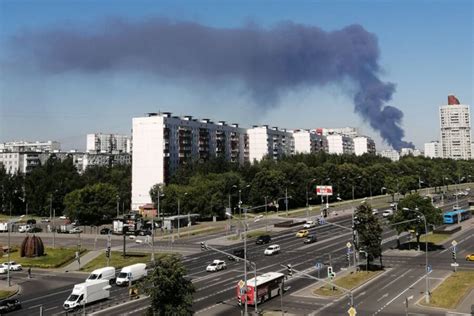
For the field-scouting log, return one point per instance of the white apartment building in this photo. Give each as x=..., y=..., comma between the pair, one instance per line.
x=406, y=151
x=38, y=146
x=161, y=143
x=268, y=142
x=455, y=129
x=19, y=162
x=363, y=145
x=340, y=144
x=306, y=142
x=432, y=149
x=390, y=154
x=108, y=143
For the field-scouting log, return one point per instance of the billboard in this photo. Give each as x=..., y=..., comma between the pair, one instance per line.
x=324, y=190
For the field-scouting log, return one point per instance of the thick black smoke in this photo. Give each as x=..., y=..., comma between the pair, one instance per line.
x=267, y=61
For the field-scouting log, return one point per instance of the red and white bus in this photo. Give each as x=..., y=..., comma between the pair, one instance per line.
x=268, y=285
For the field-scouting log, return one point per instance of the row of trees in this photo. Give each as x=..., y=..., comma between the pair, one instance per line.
x=58, y=186
x=208, y=188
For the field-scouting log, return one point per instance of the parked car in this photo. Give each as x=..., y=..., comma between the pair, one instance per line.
x=13, y=266
x=310, y=239
x=105, y=231
x=263, y=239
x=309, y=224
x=387, y=213
x=239, y=253
x=216, y=265
x=470, y=257
x=75, y=230
x=3, y=270
x=31, y=221
x=25, y=228
x=45, y=220
x=302, y=233
x=143, y=232
x=35, y=230
x=63, y=217
x=375, y=211
x=9, y=305
x=272, y=250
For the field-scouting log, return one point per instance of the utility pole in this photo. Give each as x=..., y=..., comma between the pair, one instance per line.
x=286, y=200
x=266, y=216
x=118, y=205
x=9, y=245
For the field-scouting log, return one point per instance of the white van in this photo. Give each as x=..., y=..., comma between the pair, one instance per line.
x=131, y=273
x=86, y=293
x=107, y=273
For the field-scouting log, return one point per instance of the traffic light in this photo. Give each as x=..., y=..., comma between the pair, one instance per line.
x=331, y=273
x=348, y=257
x=107, y=253
x=454, y=255
x=290, y=269
x=203, y=246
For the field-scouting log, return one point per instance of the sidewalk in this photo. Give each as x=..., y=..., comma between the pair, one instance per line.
x=85, y=259
x=14, y=288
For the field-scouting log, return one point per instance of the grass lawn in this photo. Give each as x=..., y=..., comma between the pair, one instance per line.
x=449, y=293
x=188, y=233
x=349, y=281
x=251, y=234
x=434, y=238
x=117, y=261
x=53, y=258
x=5, y=294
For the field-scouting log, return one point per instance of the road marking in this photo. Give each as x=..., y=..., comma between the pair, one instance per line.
x=382, y=297
x=393, y=281
x=44, y=296
x=48, y=309
x=35, y=306
x=401, y=293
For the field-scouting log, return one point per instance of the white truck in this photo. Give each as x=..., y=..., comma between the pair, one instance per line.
x=106, y=273
x=131, y=273
x=86, y=293
x=3, y=227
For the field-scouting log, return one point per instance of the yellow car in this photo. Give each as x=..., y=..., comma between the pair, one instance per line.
x=302, y=233
x=470, y=257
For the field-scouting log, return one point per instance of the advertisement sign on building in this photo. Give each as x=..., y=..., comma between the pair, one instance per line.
x=324, y=190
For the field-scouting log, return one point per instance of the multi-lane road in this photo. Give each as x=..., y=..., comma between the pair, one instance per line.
x=216, y=292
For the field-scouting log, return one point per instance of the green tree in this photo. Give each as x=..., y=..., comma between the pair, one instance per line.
x=92, y=204
x=369, y=232
x=170, y=292
x=406, y=211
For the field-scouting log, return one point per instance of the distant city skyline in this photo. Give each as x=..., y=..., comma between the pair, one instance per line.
x=426, y=58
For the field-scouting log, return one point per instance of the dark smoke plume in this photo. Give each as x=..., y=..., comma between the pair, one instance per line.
x=267, y=61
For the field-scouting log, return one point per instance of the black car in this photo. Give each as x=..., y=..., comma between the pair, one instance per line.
x=31, y=221
x=143, y=232
x=105, y=231
x=9, y=305
x=310, y=239
x=237, y=253
x=263, y=239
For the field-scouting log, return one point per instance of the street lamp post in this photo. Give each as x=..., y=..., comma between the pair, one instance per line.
x=179, y=210
x=307, y=196
x=118, y=204
x=427, y=293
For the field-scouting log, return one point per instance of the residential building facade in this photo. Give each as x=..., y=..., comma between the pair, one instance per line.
x=432, y=149
x=455, y=129
x=340, y=144
x=108, y=143
x=363, y=145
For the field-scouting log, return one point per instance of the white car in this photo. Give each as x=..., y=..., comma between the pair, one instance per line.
x=13, y=266
x=62, y=217
x=387, y=213
x=375, y=211
x=309, y=224
x=3, y=270
x=271, y=250
x=216, y=265
x=75, y=230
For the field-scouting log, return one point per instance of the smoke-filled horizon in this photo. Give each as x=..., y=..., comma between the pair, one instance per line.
x=268, y=61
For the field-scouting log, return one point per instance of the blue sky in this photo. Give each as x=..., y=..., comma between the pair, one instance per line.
x=426, y=49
